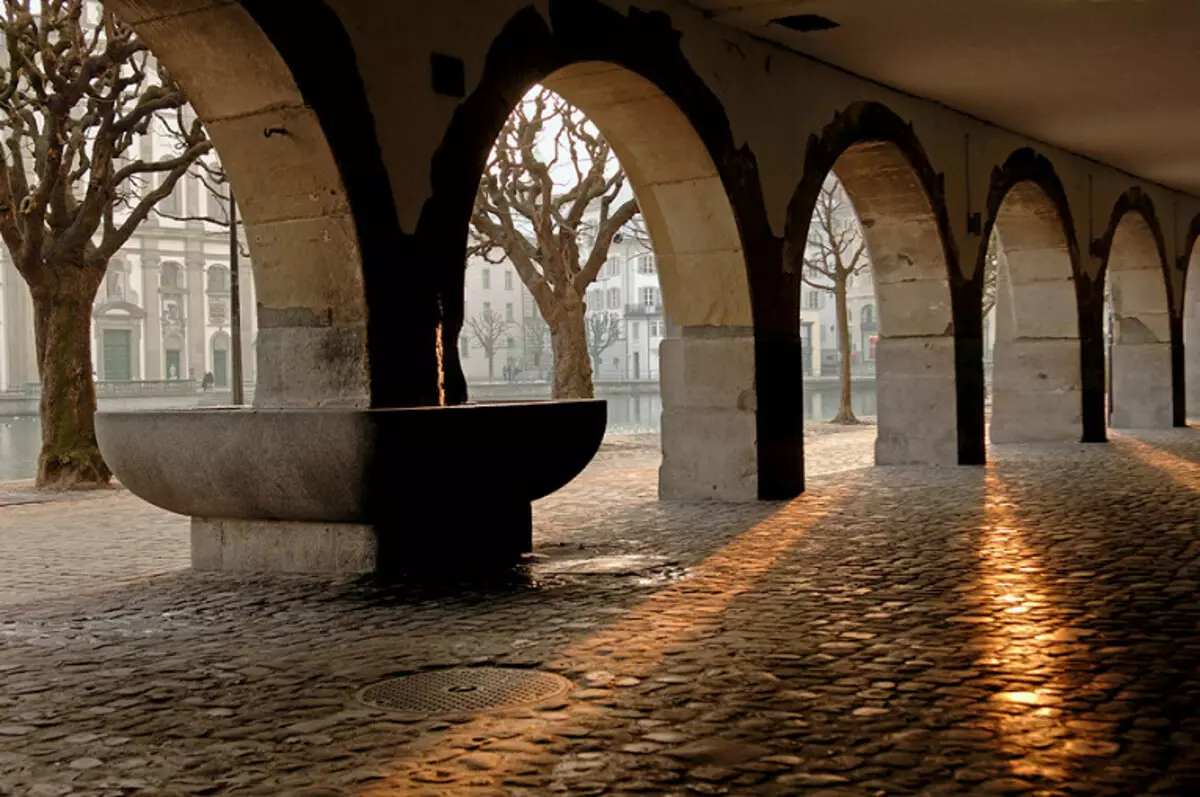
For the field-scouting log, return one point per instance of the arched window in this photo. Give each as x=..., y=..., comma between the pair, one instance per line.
x=170, y=276
x=868, y=314
x=218, y=279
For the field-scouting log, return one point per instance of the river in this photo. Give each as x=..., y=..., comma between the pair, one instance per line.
x=20, y=438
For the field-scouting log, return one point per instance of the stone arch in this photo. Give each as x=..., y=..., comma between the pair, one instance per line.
x=1191, y=322
x=1135, y=267
x=1037, y=380
x=925, y=415
x=724, y=436
x=299, y=146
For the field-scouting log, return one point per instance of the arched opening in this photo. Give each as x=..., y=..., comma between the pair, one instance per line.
x=915, y=347
x=682, y=300
x=1191, y=328
x=1037, y=392
x=219, y=357
x=1138, y=321
x=301, y=228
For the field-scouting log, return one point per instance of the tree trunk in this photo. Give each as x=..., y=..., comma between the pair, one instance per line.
x=845, y=412
x=491, y=355
x=572, y=361
x=70, y=456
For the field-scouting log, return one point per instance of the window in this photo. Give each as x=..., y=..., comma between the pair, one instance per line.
x=218, y=279
x=170, y=276
x=464, y=346
x=849, y=316
x=508, y=310
x=487, y=306
x=510, y=342
x=868, y=314
x=656, y=329
x=637, y=331
x=812, y=300
x=613, y=267
x=508, y=281
x=650, y=297
x=646, y=265
x=614, y=298
x=487, y=278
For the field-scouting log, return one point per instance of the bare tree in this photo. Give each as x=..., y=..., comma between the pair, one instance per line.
x=550, y=177
x=488, y=328
x=537, y=339
x=75, y=96
x=836, y=252
x=603, y=330
x=991, y=272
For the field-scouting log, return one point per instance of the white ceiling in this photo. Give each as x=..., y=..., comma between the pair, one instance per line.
x=1116, y=80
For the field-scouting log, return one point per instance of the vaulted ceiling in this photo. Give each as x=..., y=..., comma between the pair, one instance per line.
x=1115, y=80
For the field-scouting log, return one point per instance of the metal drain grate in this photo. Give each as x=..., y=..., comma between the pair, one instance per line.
x=464, y=690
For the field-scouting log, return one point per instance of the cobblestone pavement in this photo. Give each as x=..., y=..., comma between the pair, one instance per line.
x=1025, y=628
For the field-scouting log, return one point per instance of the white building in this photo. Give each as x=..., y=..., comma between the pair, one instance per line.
x=626, y=287
x=163, y=310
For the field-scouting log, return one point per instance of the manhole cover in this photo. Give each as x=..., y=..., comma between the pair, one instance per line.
x=464, y=690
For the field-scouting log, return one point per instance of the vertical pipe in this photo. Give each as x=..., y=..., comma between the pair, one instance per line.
x=235, y=301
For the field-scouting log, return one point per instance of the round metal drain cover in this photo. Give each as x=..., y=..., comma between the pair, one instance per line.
x=464, y=690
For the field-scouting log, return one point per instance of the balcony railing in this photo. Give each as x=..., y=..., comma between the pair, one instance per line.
x=120, y=388
x=643, y=310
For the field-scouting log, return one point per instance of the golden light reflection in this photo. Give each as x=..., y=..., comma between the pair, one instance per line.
x=1028, y=647
x=478, y=755
x=1185, y=472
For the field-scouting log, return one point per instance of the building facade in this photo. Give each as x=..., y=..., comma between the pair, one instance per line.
x=163, y=311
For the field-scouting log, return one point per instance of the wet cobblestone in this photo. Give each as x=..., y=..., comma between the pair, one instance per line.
x=1025, y=628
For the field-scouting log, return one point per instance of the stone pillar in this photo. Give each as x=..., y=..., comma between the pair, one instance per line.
x=1191, y=341
x=197, y=340
x=1037, y=390
x=151, y=303
x=917, y=402
x=1141, y=358
x=709, y=416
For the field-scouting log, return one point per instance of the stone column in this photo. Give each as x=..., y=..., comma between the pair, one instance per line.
x=1141, y=358
x=915, y=363
x=1191, y=341
x=197, y=340
x=151, y=273
x=709, y=416
x=1037, y=390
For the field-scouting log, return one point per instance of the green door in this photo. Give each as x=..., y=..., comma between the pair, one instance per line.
x=117, y=355
x=174, y=364
x=220, y=371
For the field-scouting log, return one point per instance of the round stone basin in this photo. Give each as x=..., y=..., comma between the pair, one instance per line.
x=349, y=465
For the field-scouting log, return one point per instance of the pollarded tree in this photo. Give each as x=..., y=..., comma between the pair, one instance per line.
x=488, y=329
x=537, y=340
x=550, y=182
x=603, y=330
x=836, y=252
x=78, y=90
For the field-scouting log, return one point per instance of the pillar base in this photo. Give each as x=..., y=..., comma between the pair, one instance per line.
x=1038, y=395
x=483, y=539
x=917, y=402
x=709, y=429
x=1142, y=397
x=275, y=546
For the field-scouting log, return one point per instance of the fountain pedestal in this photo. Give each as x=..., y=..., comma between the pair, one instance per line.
x=353, y=491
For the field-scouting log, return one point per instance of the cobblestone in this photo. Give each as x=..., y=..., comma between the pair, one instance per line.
x=1026, y=628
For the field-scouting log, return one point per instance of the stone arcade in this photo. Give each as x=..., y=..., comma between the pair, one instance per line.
x=355, y=132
